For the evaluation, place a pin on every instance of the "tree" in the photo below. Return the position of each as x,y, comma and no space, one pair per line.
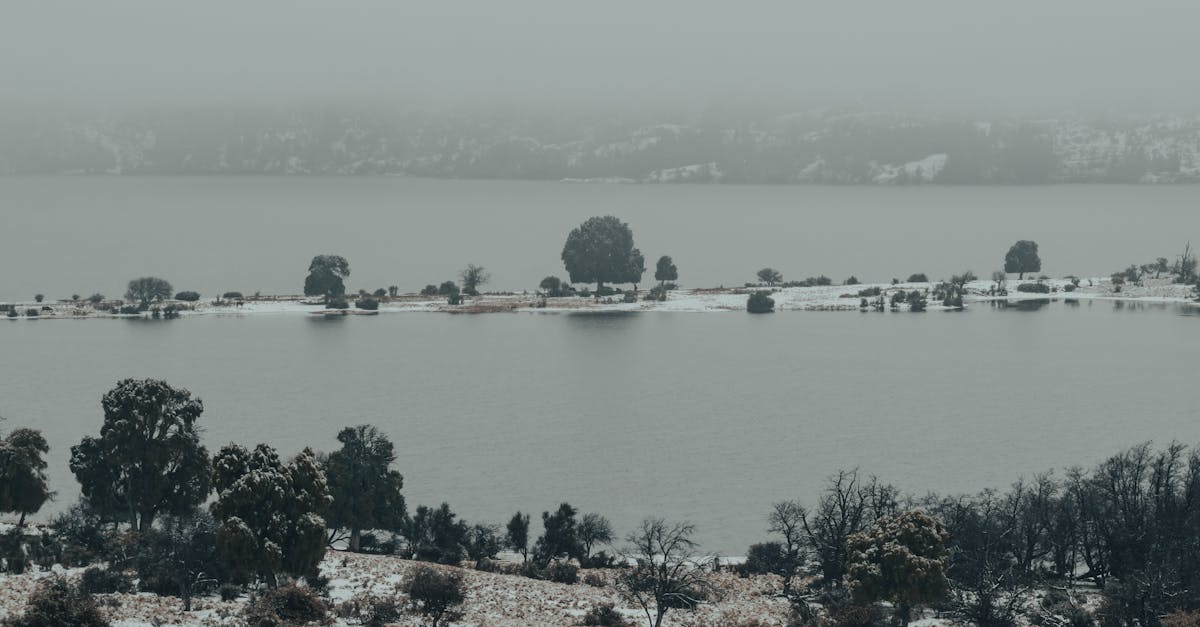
269,512
435,535
1023,257
472,277
787,520
594,529
326,274
553,286
58,603
760,302
365,489
148,458
39,297
434,592
770,276
483,542
148,289
517,536
918,278
23,486
847,506
180,556
901,559
560,537
668,573
665,270
601,250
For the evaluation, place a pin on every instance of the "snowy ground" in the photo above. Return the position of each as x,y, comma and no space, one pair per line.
823,298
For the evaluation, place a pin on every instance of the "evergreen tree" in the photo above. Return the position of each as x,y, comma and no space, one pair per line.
901,559
517,536
148,289
269,512
326,274
665,270
148,458
601,250
1022,257
436,535
23,485
560,537
365,490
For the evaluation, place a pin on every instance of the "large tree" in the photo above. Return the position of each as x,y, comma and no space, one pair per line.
665,270
593,530
326,274
601,250
365,489
787,520
668,572
901,559
517,535
148,289
472,277
269,511
1023,257
148,458
23,486
560,537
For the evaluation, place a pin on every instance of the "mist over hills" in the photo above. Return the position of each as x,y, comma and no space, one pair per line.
839,146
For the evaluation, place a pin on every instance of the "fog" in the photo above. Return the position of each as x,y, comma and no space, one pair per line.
944,55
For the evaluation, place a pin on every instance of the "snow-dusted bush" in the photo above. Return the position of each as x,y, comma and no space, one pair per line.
188,296
367,304
760,302
1034,288
57,602
605,615
96,580
288,604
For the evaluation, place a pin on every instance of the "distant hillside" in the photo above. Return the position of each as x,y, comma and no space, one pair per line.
818,147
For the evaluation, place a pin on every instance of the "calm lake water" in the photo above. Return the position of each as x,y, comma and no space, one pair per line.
709,417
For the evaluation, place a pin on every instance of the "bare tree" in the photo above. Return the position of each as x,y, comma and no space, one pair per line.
787,520
668,574
847,507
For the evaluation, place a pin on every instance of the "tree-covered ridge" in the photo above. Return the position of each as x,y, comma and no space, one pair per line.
832,146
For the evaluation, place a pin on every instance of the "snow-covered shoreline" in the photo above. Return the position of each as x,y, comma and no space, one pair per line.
695,300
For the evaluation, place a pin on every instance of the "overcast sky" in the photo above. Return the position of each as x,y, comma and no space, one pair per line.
947,55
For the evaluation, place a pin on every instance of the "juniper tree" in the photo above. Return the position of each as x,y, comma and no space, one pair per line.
1022,257
560,537
601,250
364,487
23,485
665,270
326,274
269,512
517,536
148,458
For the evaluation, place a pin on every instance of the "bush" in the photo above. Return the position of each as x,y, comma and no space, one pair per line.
188,296
1181,618
853,280
658,293
229,591
917,278
130,310
605,615
869,292
765,558
288,604
454,299
594,580
429,290
337,303
584,293
1070,287
561,572
372,610
629,297
433,592
12,313
232,296
56,603
760,302
367,304
31,313
96,580
599,559
1034,288
379,293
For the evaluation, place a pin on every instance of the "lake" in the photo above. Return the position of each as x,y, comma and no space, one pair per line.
709,417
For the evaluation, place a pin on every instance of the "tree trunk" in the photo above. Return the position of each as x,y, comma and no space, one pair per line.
21,522
355,539
1021,275
599,286
904,611
662,611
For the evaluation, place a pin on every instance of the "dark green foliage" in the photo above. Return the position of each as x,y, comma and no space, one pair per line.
483,542
39,298
472,277
553,287
601,250
665,270
1034,288
57,603
962,279
429,290
560,572
367,304
770,276
146,290
31,313
96,580
81,537
901,559
380,293
229,591
434,592
629,297
286,606
917,278
605,615
1023,257
269,512
233,296
764,558
869,292
516,537
374,611
337,303
364,487
658,293
436,535
448,288
96,298
1070,287
23,486
853,280
560,538
148,458
12,313
179,557
760,302
326,274
130,309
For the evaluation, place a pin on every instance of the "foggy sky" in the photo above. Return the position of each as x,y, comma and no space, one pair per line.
944,55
